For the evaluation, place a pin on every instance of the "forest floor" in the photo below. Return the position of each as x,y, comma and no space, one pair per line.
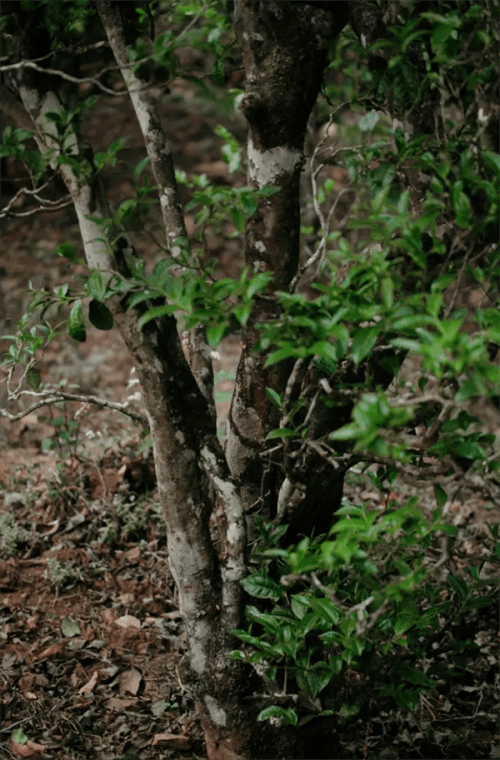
92,643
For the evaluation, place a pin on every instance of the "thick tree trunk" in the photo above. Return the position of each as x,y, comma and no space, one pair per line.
285,48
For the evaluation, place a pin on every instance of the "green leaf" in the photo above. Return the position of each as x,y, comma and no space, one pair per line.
139,168
140,297
280,433
274,397
406,619
100,316
260,585
18,736
268,622
242,312
154,313
76,325
249,203
461,205
407,673
326,609
458,585
238,218
363,342
493,159
69,628
387,292
312,682
440,495
33,378
288,716
67,250
96,285
300,605
215,333
346,433
285,352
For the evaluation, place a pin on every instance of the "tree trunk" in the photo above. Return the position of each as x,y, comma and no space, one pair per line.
286,50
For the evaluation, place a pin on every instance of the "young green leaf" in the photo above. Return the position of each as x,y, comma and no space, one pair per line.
33,378
76,325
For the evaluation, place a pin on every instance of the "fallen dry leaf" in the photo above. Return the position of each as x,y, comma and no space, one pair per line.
128,621
130,681
29,749
173,741
51,651
89,686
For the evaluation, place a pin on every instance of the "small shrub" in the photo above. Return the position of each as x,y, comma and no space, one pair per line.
360,613
11,535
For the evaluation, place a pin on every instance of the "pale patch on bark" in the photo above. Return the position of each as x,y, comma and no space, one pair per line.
217,714
286,491
248,421
266,166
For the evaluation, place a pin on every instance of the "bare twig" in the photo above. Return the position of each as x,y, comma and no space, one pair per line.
51,397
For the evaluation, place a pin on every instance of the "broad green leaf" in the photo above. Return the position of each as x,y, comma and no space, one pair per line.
67,250
215,333
312,682
458,585
100,316
461,205
96,285
140,297
406,619
274,397
493,159
287,716
345,433
440,495
300,605
363,342
261,586
280,433
268,621
76,325
33,378
387,292
405,672
249,203
242,313
154,313
326,609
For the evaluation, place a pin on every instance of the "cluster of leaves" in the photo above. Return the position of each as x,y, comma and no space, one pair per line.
361,601
395,291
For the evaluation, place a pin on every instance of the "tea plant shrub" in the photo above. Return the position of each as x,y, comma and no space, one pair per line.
315,387
368,606
375,602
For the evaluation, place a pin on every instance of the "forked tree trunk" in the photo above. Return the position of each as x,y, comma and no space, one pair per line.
286,49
